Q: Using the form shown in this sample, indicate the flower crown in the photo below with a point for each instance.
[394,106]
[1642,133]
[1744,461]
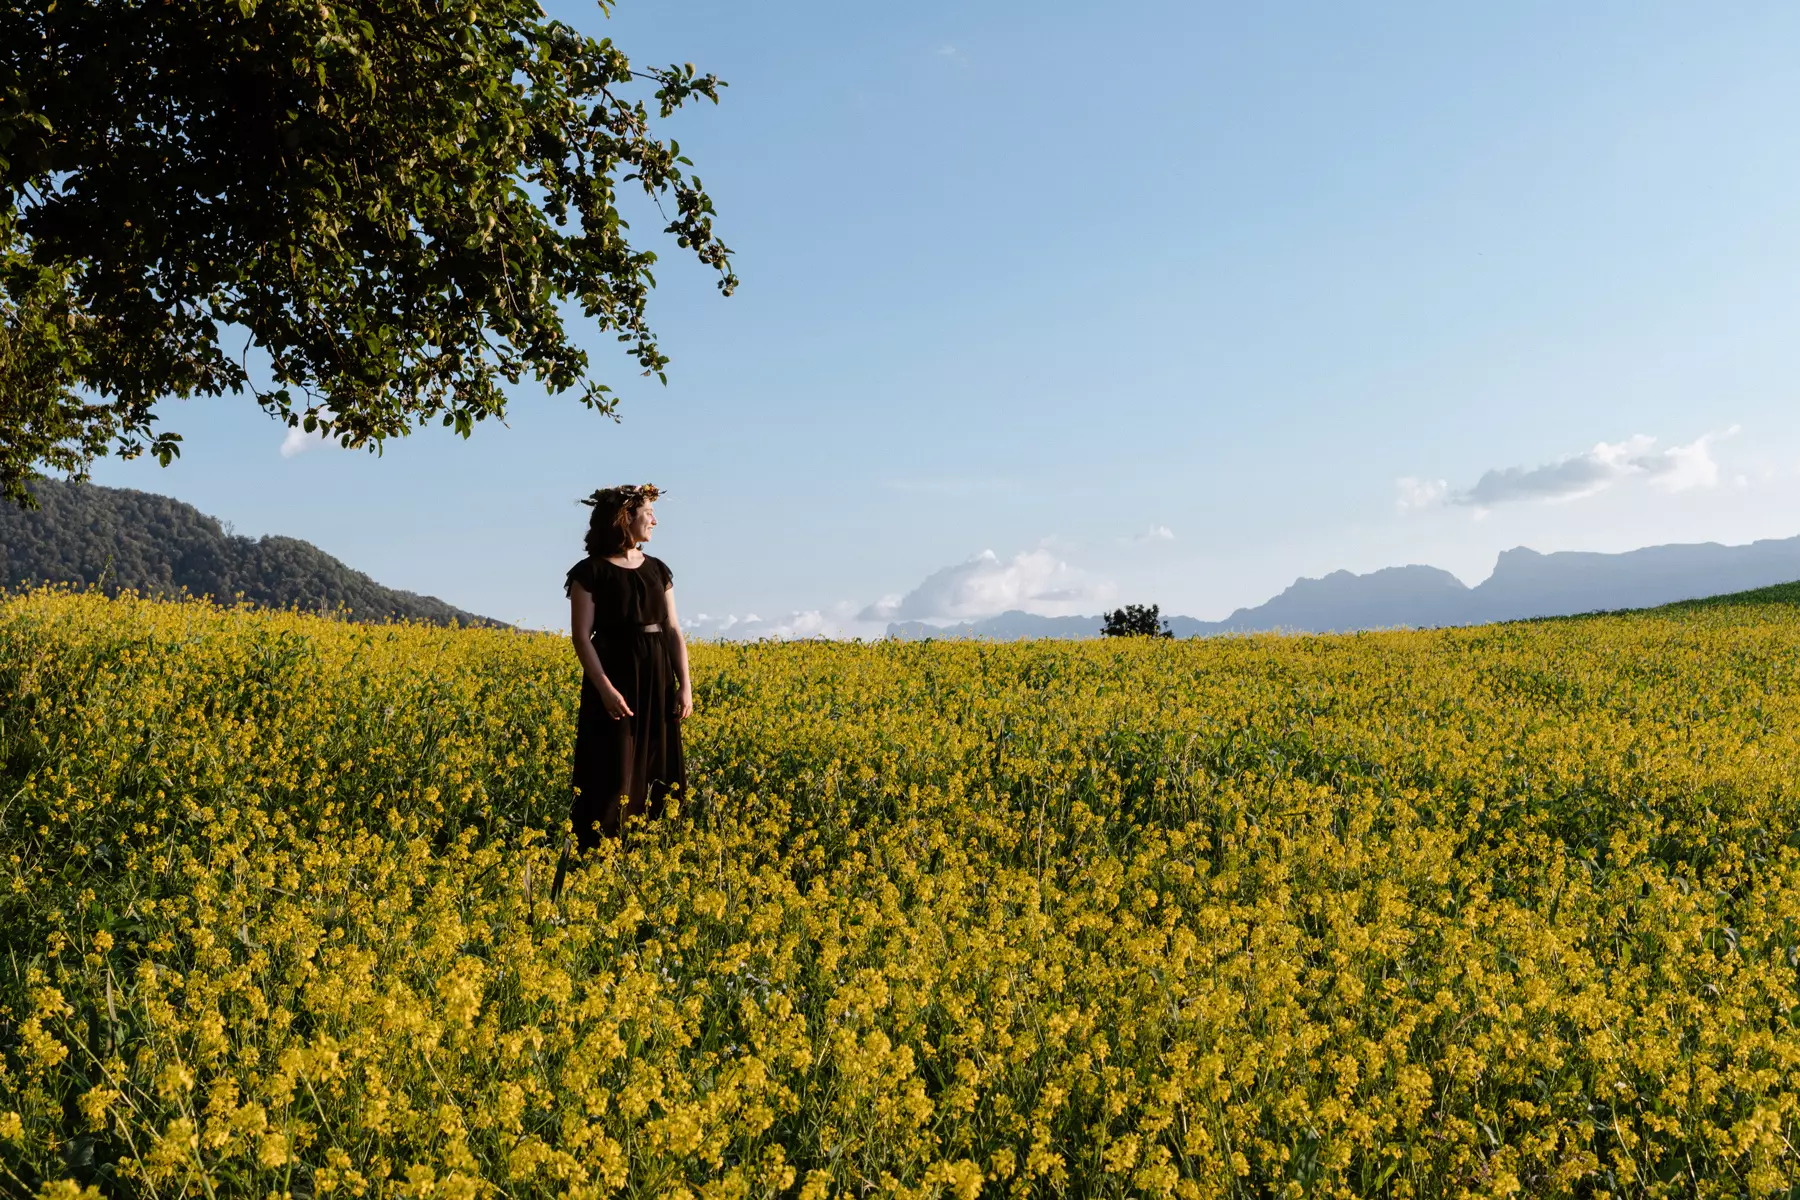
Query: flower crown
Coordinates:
[627,495]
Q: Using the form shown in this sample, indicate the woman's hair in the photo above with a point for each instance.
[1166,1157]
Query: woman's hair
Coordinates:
[609,528]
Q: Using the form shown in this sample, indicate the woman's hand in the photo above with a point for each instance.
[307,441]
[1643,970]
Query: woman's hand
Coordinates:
[684,703]
[614,700]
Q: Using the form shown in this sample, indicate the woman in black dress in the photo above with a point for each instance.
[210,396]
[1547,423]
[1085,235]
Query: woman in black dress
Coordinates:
[635,689]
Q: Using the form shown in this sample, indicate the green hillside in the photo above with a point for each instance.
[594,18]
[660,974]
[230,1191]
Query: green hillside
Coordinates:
[1780,593]
[117,538]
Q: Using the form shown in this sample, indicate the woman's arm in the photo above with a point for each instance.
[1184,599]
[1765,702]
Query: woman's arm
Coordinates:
[581,623]
[684,701]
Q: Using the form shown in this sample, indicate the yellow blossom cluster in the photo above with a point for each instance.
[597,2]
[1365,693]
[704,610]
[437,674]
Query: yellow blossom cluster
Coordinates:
[1511,910]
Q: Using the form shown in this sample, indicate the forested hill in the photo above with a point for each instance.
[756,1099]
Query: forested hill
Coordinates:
[118,538]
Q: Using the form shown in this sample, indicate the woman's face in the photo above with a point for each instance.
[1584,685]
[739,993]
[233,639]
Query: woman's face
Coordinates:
[643,520]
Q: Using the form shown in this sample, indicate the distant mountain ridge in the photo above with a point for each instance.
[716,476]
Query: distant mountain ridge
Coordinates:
[1524,584]
[119,538]
[1008,626]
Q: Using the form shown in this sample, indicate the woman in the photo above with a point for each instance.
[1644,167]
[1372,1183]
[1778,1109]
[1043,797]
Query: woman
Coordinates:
[634,665]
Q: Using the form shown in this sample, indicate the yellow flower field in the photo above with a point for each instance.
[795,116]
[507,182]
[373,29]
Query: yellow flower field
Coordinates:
[1507,910]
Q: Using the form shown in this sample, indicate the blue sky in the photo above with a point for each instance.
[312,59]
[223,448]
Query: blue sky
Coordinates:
[1057,306]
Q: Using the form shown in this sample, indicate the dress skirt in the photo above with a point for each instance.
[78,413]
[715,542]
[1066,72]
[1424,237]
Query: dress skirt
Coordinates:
[626,766]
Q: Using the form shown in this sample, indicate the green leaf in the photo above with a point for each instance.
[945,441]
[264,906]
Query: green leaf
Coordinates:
[395,218]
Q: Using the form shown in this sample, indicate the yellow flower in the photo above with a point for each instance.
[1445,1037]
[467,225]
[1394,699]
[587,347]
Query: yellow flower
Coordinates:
[68,1189]
[1413,912]
[175,1081]
[273,1151]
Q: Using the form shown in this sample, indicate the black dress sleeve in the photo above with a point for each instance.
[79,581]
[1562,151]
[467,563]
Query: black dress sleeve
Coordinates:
[580,575]
[668,576]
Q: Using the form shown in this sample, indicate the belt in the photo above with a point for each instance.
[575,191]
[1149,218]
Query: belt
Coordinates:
[614,631]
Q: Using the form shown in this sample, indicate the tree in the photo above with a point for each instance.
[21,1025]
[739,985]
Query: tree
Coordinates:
[1135,620]
[115,538]
[394,201]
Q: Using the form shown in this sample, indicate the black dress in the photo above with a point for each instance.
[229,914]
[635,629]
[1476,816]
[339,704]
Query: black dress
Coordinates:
[628,765]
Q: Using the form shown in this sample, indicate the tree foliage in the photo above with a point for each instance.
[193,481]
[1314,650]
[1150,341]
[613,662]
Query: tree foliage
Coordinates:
[395,201]
[1136,620]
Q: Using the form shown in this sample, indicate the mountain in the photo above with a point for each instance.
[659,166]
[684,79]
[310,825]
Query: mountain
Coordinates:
[1009,626]
[1413,596]
[1528,584]
[119,538]
[1524,584]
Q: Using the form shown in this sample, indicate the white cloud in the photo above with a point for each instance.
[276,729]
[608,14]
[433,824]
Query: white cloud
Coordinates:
[1676,469]
[298,441]
[835,622]
[1152,536]
[1035,581]
[1571,478]
[1421,493]
[1681,468]
[952,57]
